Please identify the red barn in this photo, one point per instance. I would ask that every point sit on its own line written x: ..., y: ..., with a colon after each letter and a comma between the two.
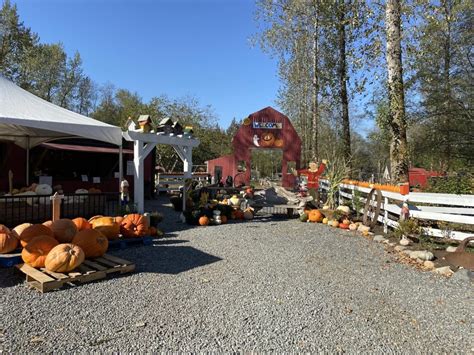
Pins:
x: 264, y: 129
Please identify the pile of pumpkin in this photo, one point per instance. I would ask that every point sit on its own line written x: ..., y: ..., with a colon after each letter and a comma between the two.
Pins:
x: 316, y: 216
x: 62, y: 245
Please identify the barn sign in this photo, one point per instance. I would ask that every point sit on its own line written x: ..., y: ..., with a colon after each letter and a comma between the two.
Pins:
x: 267, y: 125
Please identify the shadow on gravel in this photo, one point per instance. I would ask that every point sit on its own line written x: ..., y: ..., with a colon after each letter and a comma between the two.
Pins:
x: 173, y: 259
x: 10, y: 277
x: 169, y: 241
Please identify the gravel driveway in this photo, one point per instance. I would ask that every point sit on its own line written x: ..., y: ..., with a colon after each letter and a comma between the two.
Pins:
x: 266, y: 285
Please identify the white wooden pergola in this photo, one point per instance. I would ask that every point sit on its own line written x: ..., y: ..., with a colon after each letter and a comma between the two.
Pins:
x: 143, y: 144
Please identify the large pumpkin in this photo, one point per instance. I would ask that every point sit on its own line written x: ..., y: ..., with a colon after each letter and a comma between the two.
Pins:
x: 279, y: 143
x: 267, y: 139
x: 315, y: 216
x: 107, y: 226
x: 134, y: 225
x: 64, y: 257
x: 19, y: 229
x: 64, y: 230
x: 8, y: 241
x: 33, y: 231
x: 203, y: 221
x: 35, y: 252
x: 92, y: 242
x: 82, y: 223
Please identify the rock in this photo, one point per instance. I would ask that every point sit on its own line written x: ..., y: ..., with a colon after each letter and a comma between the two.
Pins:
x: 422, y: 254
x: 379, y: 238
x: 445, y: 271
x: 406, y: 252
x: 463, y: 275
x: 404, y: 241
x: 400, y: 248
x: 429, y: 264
x: 393, y: 244
x: 451, y: 249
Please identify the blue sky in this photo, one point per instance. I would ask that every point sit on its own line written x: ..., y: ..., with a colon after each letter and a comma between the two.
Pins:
x: 178, y: 48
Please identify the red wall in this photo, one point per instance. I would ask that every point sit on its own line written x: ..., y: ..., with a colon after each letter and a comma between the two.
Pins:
x: 243, y: 143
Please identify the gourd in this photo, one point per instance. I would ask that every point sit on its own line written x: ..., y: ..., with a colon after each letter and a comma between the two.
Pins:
x: 315, y: 216
x: 352, y: 226
x: 325, y: 220
x: 43, y: 189
x: 344, y: 226
x: 92, y: 242
x: 335, y: 224
x: 107, y: 226
x: 8, y: 241
x: 35, y: 252
x: 134, y: 225
x: 304, y: 217
x: 82, y: 223
x: 64, y: 230
x: 64, y: 258
x: 33, y: 231
x: 346, y: 221
x: 203, y: 221
x: 248, y: 214
x: 223, y: 219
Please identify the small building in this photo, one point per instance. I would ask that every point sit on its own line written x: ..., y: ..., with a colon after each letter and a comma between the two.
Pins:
x: 264, y: 129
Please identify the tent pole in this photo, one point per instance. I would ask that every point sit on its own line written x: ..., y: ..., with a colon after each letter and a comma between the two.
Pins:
x: 27, y: 160
x: 120, y: 167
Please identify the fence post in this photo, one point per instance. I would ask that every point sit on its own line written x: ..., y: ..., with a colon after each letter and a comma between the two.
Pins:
x: 385, y: 216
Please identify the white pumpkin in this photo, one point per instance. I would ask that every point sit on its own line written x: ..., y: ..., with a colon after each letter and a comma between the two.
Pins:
x: 344, y: 209
x: 44, y: 189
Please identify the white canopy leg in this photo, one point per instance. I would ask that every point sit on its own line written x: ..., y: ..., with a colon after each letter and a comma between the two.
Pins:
x: 187, y: 169
x: 120, y: 167
x: 138, y: 176
x: 28, y: 161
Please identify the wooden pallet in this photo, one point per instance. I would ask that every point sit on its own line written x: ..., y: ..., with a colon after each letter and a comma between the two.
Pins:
x: 9, y: 260
x: 90, y: 270
x: 124, y: 243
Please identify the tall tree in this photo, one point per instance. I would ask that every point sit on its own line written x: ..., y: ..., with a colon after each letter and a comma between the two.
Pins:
x: 398, y: 126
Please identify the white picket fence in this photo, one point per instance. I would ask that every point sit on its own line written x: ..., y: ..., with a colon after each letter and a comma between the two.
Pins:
x: 443, y: 207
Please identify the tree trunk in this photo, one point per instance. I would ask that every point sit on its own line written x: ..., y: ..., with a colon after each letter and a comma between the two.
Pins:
x: 346, y: 134
x: 315, y: 92
x: 398, y: 125
x: 448, y: 109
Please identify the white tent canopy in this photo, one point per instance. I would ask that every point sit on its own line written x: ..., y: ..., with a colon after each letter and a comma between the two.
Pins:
x: 29, y: 120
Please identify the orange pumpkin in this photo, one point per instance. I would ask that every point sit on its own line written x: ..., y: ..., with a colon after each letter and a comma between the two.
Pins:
x: 8, y: 241
x: 33, y: 231
x: 64, y: 258
x: 94, y: 217
x: 35, y: 252
x: 315, y: 216
x: 279, y: 143
x: 92, y: 242
x: 267, y: 139
x: 118, y: 219
x: 203, y: 221
x: 82, y: 223
x: 344, y: 225
x: 223, y: 219
x: 64, y: 230
x: 134, y: 225
x: 239, y: 214
x: 107, y: 226
x: 20, y: 228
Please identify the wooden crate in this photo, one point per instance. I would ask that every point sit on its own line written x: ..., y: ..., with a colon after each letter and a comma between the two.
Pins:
x: 90, y: 270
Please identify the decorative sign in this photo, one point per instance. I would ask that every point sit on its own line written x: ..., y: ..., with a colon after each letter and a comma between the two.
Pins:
x: 84, y: 178
x: 96, y: 180
x: 267, y: 125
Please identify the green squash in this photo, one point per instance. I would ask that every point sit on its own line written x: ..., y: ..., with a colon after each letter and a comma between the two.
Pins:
x: 304, y: 217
